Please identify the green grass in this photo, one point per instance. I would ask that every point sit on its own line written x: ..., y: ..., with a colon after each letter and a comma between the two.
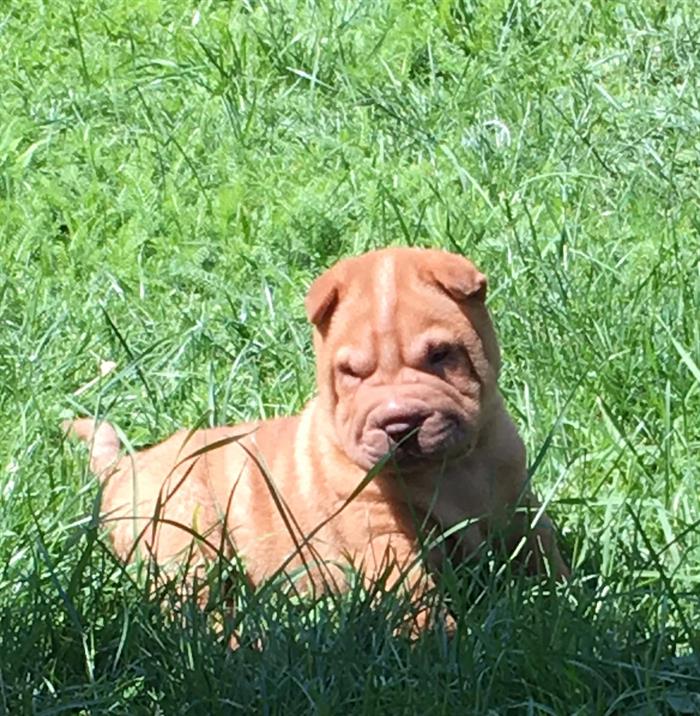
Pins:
x: 172, y: 176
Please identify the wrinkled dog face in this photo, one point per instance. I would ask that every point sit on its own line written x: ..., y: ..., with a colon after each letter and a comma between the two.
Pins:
x: 406, y: 354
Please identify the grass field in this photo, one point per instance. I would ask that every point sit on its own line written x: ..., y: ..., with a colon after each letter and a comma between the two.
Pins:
x: 173, y: 174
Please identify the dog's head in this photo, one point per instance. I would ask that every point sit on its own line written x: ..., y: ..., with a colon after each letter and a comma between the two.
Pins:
x: 407, y: 358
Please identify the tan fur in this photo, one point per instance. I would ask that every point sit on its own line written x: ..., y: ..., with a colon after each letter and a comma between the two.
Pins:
x: 380, y: 319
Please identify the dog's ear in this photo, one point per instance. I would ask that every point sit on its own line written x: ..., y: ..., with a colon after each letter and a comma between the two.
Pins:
x: 457, y: 276
x: 322, y: 298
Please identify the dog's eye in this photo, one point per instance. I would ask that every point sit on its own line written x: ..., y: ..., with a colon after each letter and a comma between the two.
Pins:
x: 347, y: 372
x: 352, y: 365
x: 439, y: 354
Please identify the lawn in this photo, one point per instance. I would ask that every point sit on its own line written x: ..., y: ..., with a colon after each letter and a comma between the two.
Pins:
x: 174, y: 174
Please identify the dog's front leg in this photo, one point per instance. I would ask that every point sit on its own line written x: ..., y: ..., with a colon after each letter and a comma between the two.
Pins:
x: 397, y: 566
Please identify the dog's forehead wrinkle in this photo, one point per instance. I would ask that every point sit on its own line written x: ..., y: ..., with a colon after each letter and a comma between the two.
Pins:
x: 382, y: 294
x: 385, y: 293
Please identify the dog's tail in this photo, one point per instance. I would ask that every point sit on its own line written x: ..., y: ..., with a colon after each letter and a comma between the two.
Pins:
x: 103, y: 440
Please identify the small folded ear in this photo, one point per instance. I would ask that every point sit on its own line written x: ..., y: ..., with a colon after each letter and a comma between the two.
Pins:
x: 322, y: 298
x: 458, y: 277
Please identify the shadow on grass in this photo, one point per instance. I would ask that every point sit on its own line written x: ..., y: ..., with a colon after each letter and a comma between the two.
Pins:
x: 84, y: 634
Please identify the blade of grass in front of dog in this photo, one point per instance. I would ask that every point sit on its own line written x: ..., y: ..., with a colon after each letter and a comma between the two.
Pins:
x: 158, y: 520
x: 291, y: 525
x: 210, y: 446
x: 353, y: 495
x: 191, y: 432
x: 161, y: 501
x: 155, y: 519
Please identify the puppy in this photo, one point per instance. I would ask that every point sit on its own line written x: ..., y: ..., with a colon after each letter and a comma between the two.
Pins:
x: 408, y: 434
